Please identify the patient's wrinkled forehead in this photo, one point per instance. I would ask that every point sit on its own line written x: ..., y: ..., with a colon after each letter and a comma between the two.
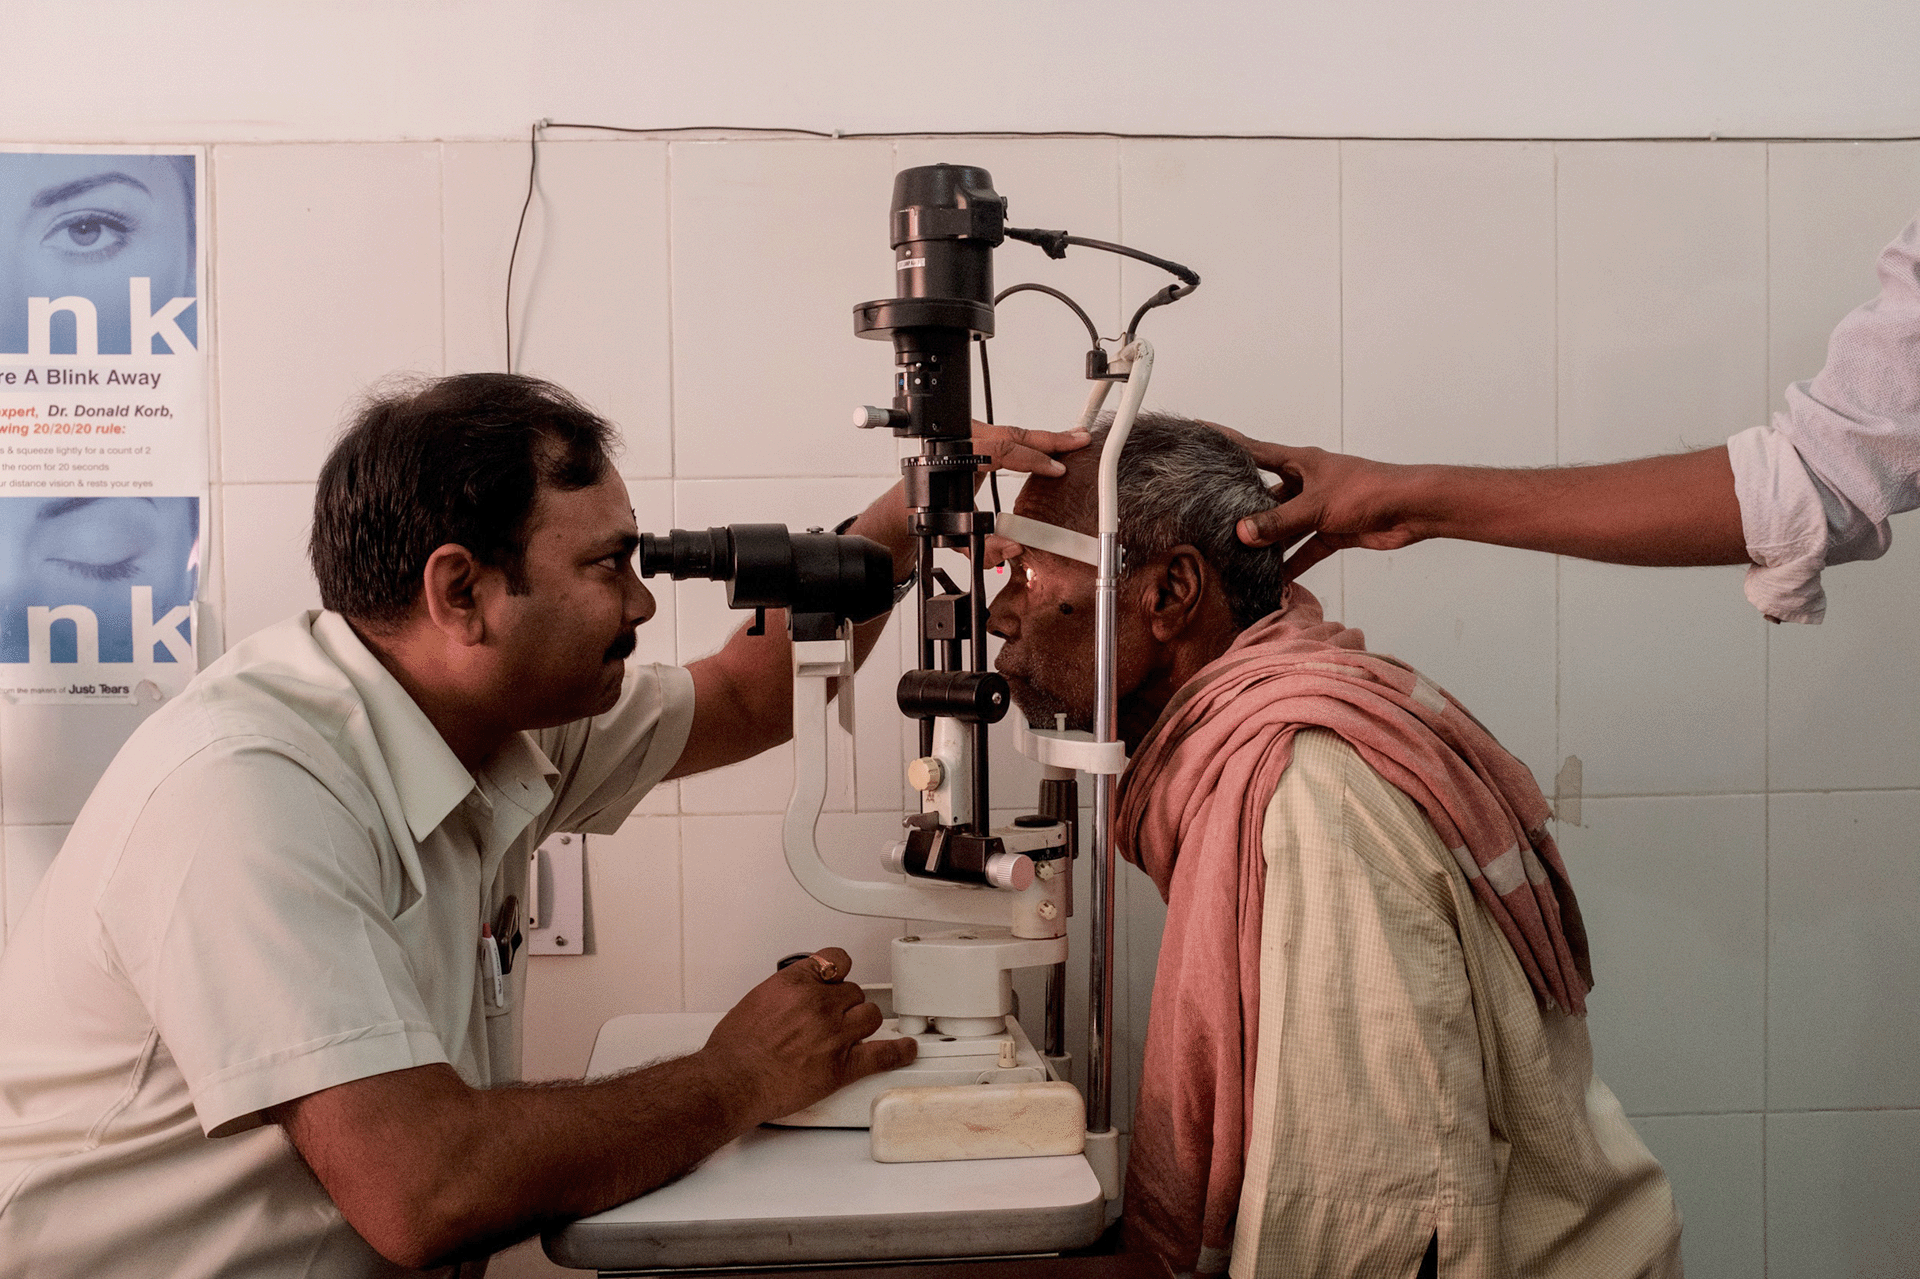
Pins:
x: 1069, y: 500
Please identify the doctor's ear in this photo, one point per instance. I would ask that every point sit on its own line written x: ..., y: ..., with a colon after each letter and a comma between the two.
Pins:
x: 451, y: 588
x: 1176, y: 589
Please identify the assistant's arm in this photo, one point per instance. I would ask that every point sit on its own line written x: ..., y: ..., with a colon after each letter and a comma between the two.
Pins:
x: 743, y: 694
x: 429, y: 1170
x: 1811, y: 490
x: 1679, y: 509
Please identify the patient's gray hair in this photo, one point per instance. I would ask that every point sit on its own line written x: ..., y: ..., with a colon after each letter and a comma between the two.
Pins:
x: 1184, y: 483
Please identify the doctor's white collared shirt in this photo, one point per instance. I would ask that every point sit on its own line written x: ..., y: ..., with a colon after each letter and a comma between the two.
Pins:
x: 277, y: 887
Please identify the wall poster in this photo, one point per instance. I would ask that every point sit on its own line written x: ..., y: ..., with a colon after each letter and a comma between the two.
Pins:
x: 103, y: 420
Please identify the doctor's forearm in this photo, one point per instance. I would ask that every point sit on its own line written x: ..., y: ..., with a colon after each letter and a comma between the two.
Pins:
x: 428, y: 1169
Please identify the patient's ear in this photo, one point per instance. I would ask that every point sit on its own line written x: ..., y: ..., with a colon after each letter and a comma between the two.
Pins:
x: 1177, y: 588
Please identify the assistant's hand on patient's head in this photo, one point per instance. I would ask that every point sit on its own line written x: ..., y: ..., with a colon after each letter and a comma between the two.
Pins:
x: 1015, y: 448
x: 1341, y: 501
x: 797, y: 1037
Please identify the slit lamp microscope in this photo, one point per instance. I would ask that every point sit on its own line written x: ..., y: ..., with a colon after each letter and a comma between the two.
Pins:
x: 979, y: 1087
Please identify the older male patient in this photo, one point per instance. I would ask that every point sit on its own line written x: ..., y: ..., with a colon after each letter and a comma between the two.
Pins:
x: 1367, y: 1053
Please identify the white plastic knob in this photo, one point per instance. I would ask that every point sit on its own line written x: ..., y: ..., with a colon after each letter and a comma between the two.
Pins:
x: 869, y: 418
x: 894, y: 860
x: 1011, y: 871
x: 926, y: 773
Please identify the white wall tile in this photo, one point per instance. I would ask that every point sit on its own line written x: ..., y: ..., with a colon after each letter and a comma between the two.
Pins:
x: 1478, y: 621
x: 1844, y: 957
x: 28, y: 851
x: 483, y: 186
x: 773, y: 245
x: 1843, y: 1194
x: 50, y: 757
x: 1257, y: 346
x: 1841, y: 711
x: 1715, y: 1165
x: 328, y: 278
x: 263, y: 536
x: 1831, y: 208
x: 742, y: 909
x: 591, y: 288
x: 1448, y: 290
x: 1663, y: 296
x: 1673, y: 891
x: 1662, y: 680
x: 764, y: 783
x: 633, y: 890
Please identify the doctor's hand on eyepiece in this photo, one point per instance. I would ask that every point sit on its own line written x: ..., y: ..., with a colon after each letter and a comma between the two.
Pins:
x: 797, y: 1036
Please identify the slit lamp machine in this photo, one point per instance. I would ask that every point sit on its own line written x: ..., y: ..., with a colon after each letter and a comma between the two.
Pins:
x: 979, y: 1087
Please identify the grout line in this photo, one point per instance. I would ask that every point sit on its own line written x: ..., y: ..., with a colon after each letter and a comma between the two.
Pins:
x: 1340, y: 319
x: 1754, y: 794
x: 440, y: 183
x: 673, y: 401
x: 213, y: 553
x: 1798, y: 1110
x: 1766, y: 732
x: 757, y: 133
x: 680, y: 893
x: 1559, y: 594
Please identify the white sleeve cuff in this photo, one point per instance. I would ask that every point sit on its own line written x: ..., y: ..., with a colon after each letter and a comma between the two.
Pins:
x: 231, y: 1101
x: 1784, y: 524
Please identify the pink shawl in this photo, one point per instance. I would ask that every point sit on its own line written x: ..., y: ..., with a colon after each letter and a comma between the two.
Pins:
x: 1200, y: 785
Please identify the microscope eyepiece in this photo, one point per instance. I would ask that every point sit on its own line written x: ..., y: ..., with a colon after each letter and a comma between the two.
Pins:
x: 766, y: 566
x: 684, y: 553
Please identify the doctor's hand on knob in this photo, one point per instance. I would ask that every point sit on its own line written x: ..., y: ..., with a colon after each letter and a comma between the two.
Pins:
x: 797, y: 1037
x: 1015, y: 448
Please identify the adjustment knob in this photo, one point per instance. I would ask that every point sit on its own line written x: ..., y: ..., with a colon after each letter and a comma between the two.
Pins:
x: 869, y: 418
x: 1011, y: 871
x: 894, y: 859
x: 926, y: 774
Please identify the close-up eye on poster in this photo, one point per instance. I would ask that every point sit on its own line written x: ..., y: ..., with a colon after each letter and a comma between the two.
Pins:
x: 103, y: 421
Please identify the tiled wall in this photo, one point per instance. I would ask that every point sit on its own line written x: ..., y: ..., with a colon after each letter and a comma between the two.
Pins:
x: 1745, y: 846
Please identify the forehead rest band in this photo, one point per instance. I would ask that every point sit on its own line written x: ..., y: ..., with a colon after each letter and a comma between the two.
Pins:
x: 1041, y: 536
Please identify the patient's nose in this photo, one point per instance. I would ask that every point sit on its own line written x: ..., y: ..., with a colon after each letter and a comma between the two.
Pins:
x: 1001, y: 619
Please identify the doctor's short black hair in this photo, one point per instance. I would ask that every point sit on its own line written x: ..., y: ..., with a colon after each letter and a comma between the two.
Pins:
x: 449, y: 460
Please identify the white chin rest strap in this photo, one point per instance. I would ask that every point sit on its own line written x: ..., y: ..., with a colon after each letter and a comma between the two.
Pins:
x: 1041, y: 536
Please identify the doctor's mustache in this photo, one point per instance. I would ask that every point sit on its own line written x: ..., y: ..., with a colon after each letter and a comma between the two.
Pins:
x: 622, y: 648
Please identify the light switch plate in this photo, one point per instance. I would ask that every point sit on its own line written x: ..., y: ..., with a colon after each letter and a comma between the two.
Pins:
x: 556, y: 897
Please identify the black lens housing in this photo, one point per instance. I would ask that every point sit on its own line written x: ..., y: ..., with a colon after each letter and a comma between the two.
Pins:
x: 767, y: 566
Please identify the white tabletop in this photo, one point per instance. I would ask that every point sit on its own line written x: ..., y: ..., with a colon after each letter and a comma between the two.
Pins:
x: 787, y: 1195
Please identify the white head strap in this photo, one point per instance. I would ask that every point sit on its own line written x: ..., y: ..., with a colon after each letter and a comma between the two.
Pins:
x: 1042, y: 536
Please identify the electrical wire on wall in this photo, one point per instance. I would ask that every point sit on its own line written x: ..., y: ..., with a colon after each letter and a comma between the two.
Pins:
x: 1053, y: 243
x: 1159, y: 299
